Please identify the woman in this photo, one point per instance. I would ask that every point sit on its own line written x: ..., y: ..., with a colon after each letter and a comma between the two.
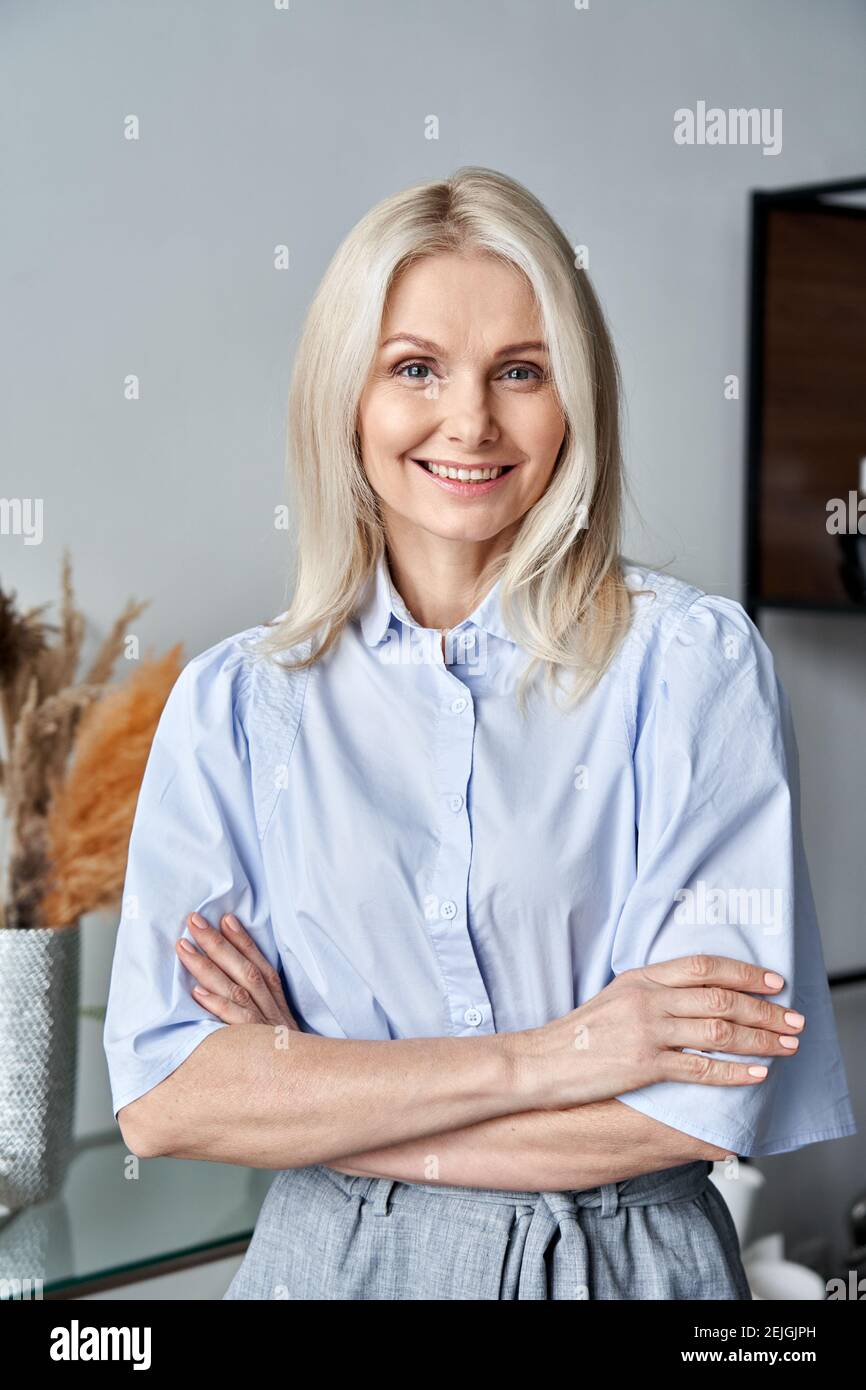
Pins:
x: 450, y: 826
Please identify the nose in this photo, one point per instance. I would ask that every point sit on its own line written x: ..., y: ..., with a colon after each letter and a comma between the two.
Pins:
x: 467, y: 416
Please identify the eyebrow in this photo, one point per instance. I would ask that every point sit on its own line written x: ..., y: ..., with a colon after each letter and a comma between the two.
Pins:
x: 427, y: 346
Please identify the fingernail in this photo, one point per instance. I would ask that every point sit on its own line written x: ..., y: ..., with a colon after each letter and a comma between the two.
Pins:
x: 790, y: 1042
x: 795, y: 1020
x: 187, y: 946
x: 232, y: 923
x: 757, y: 1071
x: 197, y: 989
x: 198, y: 921
x: 773, y: 980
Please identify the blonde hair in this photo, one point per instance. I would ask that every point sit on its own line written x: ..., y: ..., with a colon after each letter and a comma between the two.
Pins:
x: 563, y: 595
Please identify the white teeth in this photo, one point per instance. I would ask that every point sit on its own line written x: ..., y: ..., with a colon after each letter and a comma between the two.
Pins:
x: 463, y: 475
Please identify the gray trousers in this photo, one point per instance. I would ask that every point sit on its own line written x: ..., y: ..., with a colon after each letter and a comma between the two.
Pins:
x: 322, y: 1235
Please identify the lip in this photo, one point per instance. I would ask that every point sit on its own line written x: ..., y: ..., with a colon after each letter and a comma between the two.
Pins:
x: 464, y: 489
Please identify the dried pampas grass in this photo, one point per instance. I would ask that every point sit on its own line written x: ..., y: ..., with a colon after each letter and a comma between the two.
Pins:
x: 42, y: 708
x: 90, y: 821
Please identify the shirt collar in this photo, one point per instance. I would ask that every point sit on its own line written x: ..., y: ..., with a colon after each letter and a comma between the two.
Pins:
x: 384, y: 601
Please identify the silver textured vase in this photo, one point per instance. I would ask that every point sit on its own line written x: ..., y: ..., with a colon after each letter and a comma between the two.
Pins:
x: 39, y: 990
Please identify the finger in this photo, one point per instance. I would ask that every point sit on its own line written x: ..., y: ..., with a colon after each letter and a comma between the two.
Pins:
x: 721, y: 1035
x: 706, y: 970
x: 714, y: 1001
x: 215, y: 983
x: 227, y: 972
x: 707, y: 1071
x: 244, y: 943
x: 223, y: 1008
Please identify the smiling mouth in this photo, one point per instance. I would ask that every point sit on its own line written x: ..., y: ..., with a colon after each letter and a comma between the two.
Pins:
x: 456, y: 473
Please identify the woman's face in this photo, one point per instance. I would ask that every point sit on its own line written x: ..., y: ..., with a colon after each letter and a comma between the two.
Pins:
x: 471, y: 393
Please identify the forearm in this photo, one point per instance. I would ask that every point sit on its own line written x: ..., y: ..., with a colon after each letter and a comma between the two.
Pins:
x: 538, y: 1151
x: 269, y: 1098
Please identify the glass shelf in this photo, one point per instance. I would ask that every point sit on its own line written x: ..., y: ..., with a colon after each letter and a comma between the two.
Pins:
x: 107, y: 1226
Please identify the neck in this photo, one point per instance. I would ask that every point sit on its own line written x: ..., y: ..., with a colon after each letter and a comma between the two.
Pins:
x: 440, y: 581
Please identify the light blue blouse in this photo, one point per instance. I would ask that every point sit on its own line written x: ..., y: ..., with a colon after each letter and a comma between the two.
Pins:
x: 417, y: 860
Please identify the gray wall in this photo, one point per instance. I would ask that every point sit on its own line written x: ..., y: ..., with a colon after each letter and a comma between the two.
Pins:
x: 260, y: 127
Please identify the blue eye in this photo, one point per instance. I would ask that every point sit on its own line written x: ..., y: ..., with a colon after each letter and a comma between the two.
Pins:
x: 406, y: 366
x: 538, y: 374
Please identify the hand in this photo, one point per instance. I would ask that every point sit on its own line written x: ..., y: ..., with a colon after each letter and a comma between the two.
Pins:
x: 242, y: 986
x: 632, y: 1033
x: 236, y: 983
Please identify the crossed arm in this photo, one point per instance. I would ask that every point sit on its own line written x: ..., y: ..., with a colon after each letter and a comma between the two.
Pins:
x: 538, y: 1151
x: 529, y: 1149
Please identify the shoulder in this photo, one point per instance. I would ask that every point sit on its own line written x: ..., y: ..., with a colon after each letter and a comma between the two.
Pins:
x: 215, y: 683
x: 234, y: 678
x: 690, y: 647
x: 238, y: 702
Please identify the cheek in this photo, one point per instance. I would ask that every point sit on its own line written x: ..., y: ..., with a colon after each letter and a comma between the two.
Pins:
x: 543, y: 429
x: 391, y: 423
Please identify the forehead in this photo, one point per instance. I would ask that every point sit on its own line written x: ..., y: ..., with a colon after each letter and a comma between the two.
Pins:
x: 476, y: 301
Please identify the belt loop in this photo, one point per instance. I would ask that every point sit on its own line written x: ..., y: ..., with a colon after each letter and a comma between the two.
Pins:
x: 382, y: 1194
x: 609, y: 1198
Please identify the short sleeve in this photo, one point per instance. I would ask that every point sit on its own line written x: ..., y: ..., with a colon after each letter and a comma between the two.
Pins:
x: 721, y: 869
x: 194, y: 847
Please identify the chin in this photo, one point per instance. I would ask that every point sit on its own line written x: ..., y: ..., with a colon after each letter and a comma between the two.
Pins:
x: 460, y: 528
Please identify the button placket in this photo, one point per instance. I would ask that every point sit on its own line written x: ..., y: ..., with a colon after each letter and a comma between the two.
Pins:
x: 468, y: 1002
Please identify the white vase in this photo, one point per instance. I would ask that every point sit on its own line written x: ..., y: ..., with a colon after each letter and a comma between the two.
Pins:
x: 783, y: 1280
x: 739, y: 1184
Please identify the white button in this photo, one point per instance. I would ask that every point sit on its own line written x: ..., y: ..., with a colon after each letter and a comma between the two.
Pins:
x: 455, y: 802
x: 448, y: 909
x: 473, y: 1017
x: 458, y: 705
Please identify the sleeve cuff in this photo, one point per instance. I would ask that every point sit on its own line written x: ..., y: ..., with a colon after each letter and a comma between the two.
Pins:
x: 139, y: 1079
x: 743, y: 1141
